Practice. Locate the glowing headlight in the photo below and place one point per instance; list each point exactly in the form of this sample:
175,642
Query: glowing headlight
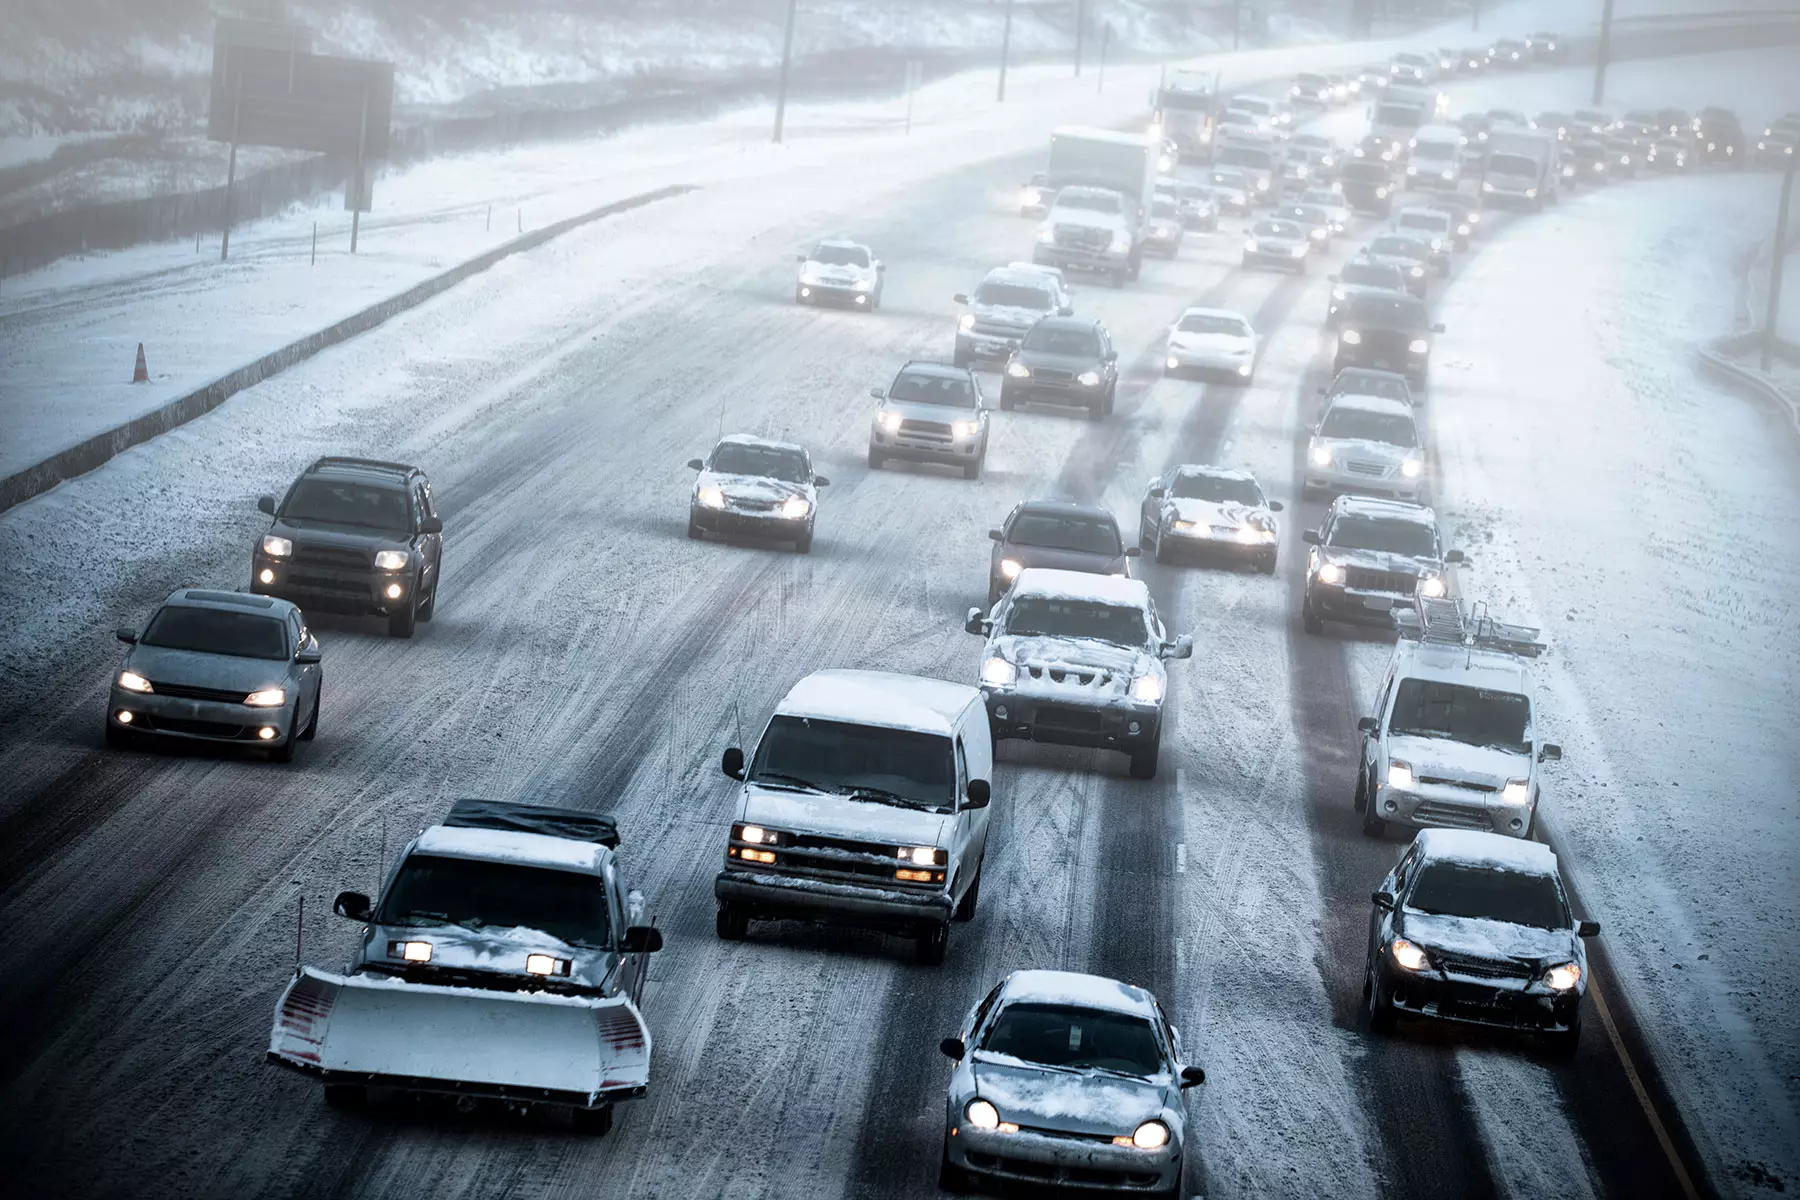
1381,193
1350,337
710,497
1462,231
1487,187
546,964
1028,197
1432,586
1151,1135
1411,467
1121,242
1046,236
924,856
1330,573
1317,235
756,835
1173,363
1262,185
266,698
1563,978
131,681
1147,689
964,429
1399,774
1417,272
1018,370
1408,955
1088,379
1418,346
890,421
1531,193
1321,456
419,952
997,672
1298,251
966,322
795,507
277,547
982,1115
1010,567
1250,246
1517,791
391,560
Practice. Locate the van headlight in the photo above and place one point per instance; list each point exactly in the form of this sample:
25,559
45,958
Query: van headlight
1419,346
964,429
1563,978
997,672
1018,370
1147,689
1321,456
1400,774
795,507
925,856
1121,242
966,322
1517,791
1381,192
1088,379
1411,467
890,421
391,560
277,547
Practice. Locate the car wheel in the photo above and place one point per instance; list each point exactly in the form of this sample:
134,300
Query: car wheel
283,751
1146,538
312,727
1360,800
1378,1010
1158,549
951,1178
1112,397
875,461
1006,401
732,922
693,530
1565,1045
1097,410
345,1096
931,944
1309,619
960,359
1118,279
430,606
1143,760
803,543
117,736
1372,825
965,909
1266,564
402,624
594,1122
973,470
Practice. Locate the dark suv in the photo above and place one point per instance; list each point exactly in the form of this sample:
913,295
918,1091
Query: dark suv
356,536
1060,535
1063,360
1389,331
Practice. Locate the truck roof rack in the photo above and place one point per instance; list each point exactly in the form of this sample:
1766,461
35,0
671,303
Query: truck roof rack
569,823
1440,621
336,460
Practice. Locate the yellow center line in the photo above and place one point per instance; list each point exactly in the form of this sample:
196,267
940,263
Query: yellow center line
1643,1096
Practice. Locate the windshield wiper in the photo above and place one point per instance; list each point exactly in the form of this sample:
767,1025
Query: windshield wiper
419,918
883,796
781,780
1111,1071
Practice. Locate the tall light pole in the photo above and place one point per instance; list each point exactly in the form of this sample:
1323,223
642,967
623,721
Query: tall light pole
1779,263
787,55
1005,52
1237,22
1605,52
1080,30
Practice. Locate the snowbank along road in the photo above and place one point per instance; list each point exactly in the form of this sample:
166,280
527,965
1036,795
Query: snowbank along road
587,653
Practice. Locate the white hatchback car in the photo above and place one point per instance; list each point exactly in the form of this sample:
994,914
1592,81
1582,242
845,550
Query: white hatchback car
1212,341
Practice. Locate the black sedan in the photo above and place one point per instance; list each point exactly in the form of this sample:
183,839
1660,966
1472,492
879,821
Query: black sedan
1388,331
1063,360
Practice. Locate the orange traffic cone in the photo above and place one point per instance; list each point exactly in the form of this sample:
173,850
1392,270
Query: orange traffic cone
141,373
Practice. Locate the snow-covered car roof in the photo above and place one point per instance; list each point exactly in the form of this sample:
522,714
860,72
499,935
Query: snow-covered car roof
937,370
1200,310
841,244
750,439
1025,268
1486,850
1363,402
1018,275
1383,510
884,698
1075,989
1422,210
1466,666
1080,585
501,845
1235,474
1090,133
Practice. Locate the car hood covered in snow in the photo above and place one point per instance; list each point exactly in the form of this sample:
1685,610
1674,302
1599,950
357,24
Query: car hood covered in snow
1362,449
1092,1102
839,816
1476,937
499,950
1457,762
1094,669
1221,513
752,489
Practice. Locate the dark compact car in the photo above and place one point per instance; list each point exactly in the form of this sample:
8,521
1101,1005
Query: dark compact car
753,487
1719,136
1368,557
1389,331
218,667
1476,927
1368,184
1059,534
1358,277
1063,360
355,536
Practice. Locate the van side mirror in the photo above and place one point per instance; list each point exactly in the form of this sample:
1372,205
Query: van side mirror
641,939
995,535
976,622
1550,752
821,481
266,504
1132,552
979,793
1587,929
353,905
961,298
1192,1077
1311,538
732,762
1382,900
126,634
695,464
878,393
308,654
1275,506
1368,725
431,525
1181,647
1456,556
1438,328
953,1048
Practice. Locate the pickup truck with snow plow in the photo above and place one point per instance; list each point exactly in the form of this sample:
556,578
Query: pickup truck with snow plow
502,964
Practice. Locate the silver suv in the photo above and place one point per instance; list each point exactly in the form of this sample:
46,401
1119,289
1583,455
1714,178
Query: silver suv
1002,309
931,413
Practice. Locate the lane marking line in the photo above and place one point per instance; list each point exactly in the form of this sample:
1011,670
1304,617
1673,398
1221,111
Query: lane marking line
1181,858
1643,1096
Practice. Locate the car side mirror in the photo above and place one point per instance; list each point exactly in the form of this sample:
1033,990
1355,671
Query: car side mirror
1438,328
880,268
878,393
1132,552
1333,277
266,504
1311,538
1156,491
799,258
821,481
1192,1077
1550,752
953,1048
1383,900
732,762
431,525
1181,647
353,905
1368,725
1456,556
126,634
961,298
641,939
308,654
695,464
1111,356
1587,929
976,622
1275,506
979,793
995,535
1066,310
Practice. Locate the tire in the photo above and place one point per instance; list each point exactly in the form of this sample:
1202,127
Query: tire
1378,1008
1372,825
875,460
1118,279
798,298
594,1122
402,624
1309,620
1007,403
1097,410
960,359
694,531
1266,564
731,922
283,751
1112,397
952,1178
931,943
1157,551
973,470
312,727
1565,1045
1143,760
1360,800
803,543
345,1096
1146,539
965,908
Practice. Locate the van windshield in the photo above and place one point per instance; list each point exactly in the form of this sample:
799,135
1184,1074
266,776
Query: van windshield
1471,715
866,762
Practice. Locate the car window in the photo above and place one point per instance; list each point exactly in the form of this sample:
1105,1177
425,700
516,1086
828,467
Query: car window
1163,208
335,502
1085,199
1075,342
1196,485
841,256
1397,247
1214,323
217,631
1369,383
1428,222
1058,531
1389,312
917,388
769,462
1459,713
1050,616
1359,424
1014,295
897,766
1368,274
1461,890
1353,532
435,889
1058,1035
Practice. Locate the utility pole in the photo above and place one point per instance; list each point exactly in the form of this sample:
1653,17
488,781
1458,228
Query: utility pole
787,55
1604,53
1475,15
1080,29
1778,263
1237,22
1005,52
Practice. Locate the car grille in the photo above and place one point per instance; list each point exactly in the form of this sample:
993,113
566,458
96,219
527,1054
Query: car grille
1056,716
926,430
743,505
1367,579
995,329
184,692
211,729
1064,675
301,581
1058,1173
1458,783
331,558
1083,237
1373,470
1052,377
1482,968
1450,816
828,857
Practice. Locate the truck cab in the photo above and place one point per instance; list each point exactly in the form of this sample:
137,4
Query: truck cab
1106,182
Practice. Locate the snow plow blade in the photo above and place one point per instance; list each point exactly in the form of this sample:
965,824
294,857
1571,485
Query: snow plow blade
535,1047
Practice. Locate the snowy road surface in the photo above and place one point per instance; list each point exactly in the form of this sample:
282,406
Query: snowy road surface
587,653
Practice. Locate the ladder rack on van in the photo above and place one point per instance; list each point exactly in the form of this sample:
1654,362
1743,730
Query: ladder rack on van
1441,621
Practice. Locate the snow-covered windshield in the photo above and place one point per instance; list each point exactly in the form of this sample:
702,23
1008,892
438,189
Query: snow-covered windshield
916,387
1472,715
1081,1038
1063,339
1056,531
1387,537
1047,616
1277,230
1459,890
1510,164
338,503
1370,383
1214,323
882,765
1387,312
1398,247
1359,424
1376,275
213,631
841,256
1013,295
1089,199
433,889
767,462
1248,156
1198,486
1366,172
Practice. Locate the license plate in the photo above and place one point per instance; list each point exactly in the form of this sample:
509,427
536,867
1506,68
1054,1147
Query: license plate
1377,603
1382,364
